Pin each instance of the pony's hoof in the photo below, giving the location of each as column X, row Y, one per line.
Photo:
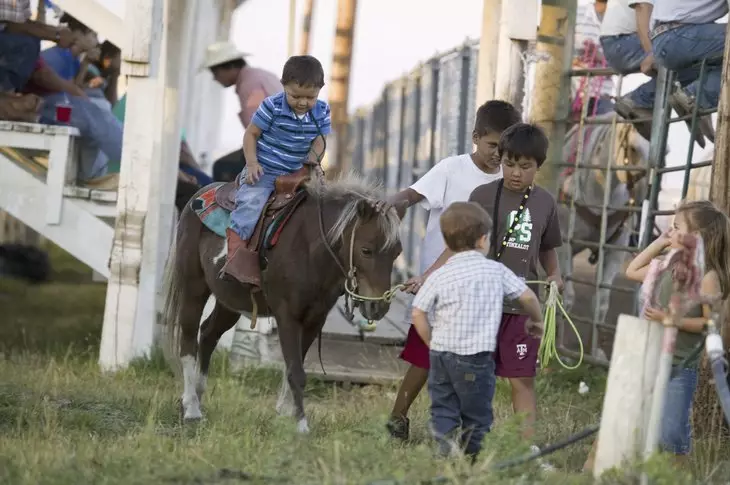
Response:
column 193, row 419
column 303, row 426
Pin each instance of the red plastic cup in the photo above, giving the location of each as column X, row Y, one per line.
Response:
column 63, row 113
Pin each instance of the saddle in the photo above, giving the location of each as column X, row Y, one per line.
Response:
column 288, row 194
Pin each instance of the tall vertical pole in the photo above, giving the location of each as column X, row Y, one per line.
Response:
column 550, row 98
column 304, row 41
column 119, row 344
column 340, row 81
column 488, row 50
column 708, row 418
column 292, row 27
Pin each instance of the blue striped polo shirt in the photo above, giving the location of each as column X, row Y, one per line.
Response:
column 287, row 138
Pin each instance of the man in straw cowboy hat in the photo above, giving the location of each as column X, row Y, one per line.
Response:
column 253, row 85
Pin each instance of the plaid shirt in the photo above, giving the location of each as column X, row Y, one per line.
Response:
column 464, row 301
column 16, row 11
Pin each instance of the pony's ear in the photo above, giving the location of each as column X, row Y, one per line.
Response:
column 366, row 210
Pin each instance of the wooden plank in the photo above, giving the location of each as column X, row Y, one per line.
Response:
column 629, row 390
column 348, row 361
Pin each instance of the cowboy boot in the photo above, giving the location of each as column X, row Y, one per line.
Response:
column 241, row 263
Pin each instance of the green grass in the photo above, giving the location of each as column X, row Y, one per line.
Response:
column 63, row 422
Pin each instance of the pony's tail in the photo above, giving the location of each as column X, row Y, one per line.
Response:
column 170, row 331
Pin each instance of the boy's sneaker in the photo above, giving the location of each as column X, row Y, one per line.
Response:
column 684, row 104
column 398, row 427
column 628, row 110
column 544, row 466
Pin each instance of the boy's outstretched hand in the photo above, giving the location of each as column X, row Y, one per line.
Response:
column 534, row 328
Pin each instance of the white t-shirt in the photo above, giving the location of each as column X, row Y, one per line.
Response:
column 451, row 180
column 689, row 11
column 620, row 17
column 588, row 35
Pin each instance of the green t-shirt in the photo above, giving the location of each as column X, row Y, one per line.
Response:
column 118, row 111
column 686, row 341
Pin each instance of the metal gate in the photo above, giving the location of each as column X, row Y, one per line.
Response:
column 595, row 327
column 428, row 115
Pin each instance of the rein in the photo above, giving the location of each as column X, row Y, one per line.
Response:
column 352, row 298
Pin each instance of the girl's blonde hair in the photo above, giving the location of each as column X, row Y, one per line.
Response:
column 713, row 225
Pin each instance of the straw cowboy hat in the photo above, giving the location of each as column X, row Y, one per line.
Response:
column 220, row 53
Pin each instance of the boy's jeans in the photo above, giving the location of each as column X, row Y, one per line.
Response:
column 624, row 54
column 689, row 44
column 18, row 56
column 250, row 201
column 676, row 432
column 461, row 388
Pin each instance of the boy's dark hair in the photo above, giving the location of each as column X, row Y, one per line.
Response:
column 304, row 71
column 494, row 117
column 463, row 224
column 524, row 140
column 109, row 50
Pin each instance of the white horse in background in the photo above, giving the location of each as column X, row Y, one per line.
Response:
column 586, row 188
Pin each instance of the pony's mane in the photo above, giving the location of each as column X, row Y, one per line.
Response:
column 350, row 188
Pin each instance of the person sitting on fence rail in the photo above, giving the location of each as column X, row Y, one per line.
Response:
column 587, row 54
column 457, row 314
column 526, row 233
column 684, row 34
column 451, row 180
column 20, row 41
column 229, row 68
column 627, row 46
column 713, row 226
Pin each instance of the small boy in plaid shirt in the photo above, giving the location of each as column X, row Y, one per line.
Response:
column 457, row 313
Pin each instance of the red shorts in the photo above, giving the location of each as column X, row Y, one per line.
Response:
column 516, row 354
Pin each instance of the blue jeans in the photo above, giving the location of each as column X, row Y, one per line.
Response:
column 461, row 388
column 676, row 433
column 100, row 130
column 683, row 46
column 250, row 201
column 18, row 55
column 624, row 54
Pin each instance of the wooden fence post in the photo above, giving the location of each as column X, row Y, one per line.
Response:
column 550, row 97
column 628, row 397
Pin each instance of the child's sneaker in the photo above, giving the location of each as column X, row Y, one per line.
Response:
column 398, row 427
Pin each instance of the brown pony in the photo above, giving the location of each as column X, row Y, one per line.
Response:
column 335, row 231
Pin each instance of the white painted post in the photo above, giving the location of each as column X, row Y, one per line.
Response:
column 141, row 51
column 629, row 392
column 517, row 27
column 172, row 82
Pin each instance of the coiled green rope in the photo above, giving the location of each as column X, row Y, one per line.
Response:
column 548, row 346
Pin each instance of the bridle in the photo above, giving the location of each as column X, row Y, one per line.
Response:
column 352, row 298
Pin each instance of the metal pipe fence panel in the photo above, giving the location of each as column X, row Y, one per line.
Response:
column 429, row 115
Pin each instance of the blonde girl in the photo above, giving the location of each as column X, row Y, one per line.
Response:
column 713, row 226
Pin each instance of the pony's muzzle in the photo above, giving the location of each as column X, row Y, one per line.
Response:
column 374, row 309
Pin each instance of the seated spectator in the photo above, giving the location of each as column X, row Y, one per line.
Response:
column 627, row 48
column 189, row 172
column 683, row 35
column 20, row 40
column 100, row 131
column 587, row 54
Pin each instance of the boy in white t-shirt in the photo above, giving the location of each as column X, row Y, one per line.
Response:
column 451, row 180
